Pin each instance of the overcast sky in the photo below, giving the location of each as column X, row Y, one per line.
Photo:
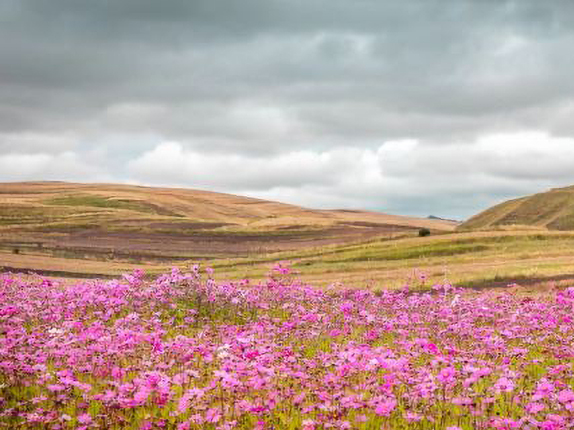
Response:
column 412, row 107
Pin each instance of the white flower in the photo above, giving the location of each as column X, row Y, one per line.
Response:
column 223, row 351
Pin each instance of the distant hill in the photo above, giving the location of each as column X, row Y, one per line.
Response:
column 434, row 217
column 553, row 209
column 135, row 224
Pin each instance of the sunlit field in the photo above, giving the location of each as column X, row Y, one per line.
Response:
column 184, row 352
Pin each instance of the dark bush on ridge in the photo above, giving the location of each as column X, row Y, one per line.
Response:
column 424, row 232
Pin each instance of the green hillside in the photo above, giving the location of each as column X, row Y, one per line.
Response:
column 553, row 210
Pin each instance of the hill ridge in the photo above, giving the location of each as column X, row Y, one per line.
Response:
column 552, row 209
column 217, row 199
column 135, row 223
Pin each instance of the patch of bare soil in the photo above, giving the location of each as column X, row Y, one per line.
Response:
column 202, row 242
column 57, row 273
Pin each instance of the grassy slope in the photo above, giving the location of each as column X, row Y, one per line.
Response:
column 79, row 228
column 69, row 204
column 464, row 258
column 553, row 209
column 467, row 259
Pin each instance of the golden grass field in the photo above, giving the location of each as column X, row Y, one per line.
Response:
column 76, row 230
column 532, row 259
column 103, row 229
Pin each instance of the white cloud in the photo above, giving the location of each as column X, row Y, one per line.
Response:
column 402, row 176
column 406, row 176
column 34, row 142
column 170, row 162
column 45, row 166
column 528, row 155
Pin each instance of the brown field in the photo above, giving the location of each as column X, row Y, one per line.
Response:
column 83, row 231
column 104, row 229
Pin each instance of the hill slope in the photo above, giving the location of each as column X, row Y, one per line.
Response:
column 553, row 209
column 146, row 225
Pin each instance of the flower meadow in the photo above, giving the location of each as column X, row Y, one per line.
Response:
column 185, row 352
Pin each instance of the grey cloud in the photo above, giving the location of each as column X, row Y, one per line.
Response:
column 256, row 80
column 44, row 166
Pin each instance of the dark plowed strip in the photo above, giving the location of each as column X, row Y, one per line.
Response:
column 521, row 281
column 56, row 273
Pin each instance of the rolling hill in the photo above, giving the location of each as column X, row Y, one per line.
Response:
column 553, row 210
column 70, row 228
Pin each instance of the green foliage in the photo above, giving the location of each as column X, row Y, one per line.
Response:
column 407, row 253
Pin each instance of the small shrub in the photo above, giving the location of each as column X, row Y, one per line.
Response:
column 16, row 251
column 424, row 232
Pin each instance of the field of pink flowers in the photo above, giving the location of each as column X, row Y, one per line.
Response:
column 184, row 352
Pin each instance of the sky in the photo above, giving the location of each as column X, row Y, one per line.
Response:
column 413, row 107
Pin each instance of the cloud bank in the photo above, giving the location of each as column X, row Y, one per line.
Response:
column 417, row 107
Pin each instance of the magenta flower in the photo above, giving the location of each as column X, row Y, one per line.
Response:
column 386, row 407
column 184, row 351
column 212, row 415
column 504, row 385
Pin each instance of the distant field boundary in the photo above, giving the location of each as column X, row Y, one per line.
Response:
column 522, row 281
column 56, row 273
